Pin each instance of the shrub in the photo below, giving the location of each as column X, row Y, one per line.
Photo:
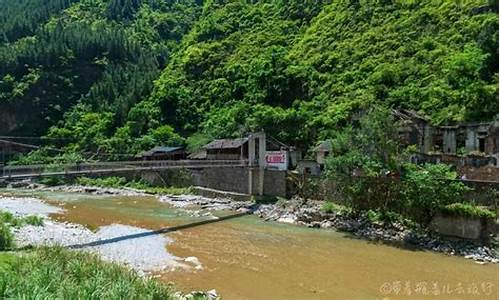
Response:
column 6, row 237
column 388, row 217
column 53, row 180
column 281, row 202
column 373, row 216
column 6, row 217
column 427, row 188
column 327, row 207
column 120, row 182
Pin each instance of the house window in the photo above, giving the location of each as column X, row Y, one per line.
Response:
column 482, row 144
column 461, row 143
column 438, row 145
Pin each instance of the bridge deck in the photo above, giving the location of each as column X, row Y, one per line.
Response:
column 32, row 171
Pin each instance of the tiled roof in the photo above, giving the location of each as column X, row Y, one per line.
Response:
column 160, row 149
column 226, row 143
column 198, row 155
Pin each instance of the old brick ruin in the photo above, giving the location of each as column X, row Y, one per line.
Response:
column 471, row 147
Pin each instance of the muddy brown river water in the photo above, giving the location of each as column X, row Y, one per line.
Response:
column 248, row 258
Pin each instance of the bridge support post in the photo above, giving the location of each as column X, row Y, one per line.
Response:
column 256, row 159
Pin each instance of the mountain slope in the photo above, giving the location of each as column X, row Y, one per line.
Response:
column 145, row 72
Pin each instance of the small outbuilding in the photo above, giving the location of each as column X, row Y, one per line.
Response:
column 163, row 153
column 308, row 166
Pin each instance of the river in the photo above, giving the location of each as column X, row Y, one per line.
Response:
column 248, row 258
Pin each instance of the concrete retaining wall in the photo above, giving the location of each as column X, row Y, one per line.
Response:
column 468, row 228
column 464, row 227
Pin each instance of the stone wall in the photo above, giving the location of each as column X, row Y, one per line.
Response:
column 485, row 173
column 482, row 193
column 231, row 179
column 178, row 178
column 226, row 178
column 275, row 183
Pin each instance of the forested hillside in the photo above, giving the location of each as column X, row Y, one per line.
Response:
column 119, row 76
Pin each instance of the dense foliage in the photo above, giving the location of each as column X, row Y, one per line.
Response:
column 371, row 171
column 119, row 76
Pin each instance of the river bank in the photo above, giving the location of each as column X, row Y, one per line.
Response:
column 116, row 243
column 310, row 214
column 361, row 226
column 145, row 255
column 250, row 249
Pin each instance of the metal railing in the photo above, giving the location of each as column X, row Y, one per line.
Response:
column 25, row 171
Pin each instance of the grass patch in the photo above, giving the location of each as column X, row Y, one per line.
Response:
column 468, row 210
column 13, row 221
column 7, row 221
column 6, row 261
column 112, row 181
column 169, row 190
column 33, row 220
column 56, row 273
column 6, row 217
column 330, row 207
column 121, row 182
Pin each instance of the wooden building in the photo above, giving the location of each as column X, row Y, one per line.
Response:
column 227, row 149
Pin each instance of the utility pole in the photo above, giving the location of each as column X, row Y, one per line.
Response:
column 3, row 160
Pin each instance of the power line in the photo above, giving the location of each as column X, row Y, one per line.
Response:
column 91, row 154
column 35, row 138
column 29, row 146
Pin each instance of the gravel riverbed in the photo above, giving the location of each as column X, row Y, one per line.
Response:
column 131, row 246
column 138, row 248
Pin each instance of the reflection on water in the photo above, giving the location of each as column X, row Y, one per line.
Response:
column 247, row 258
